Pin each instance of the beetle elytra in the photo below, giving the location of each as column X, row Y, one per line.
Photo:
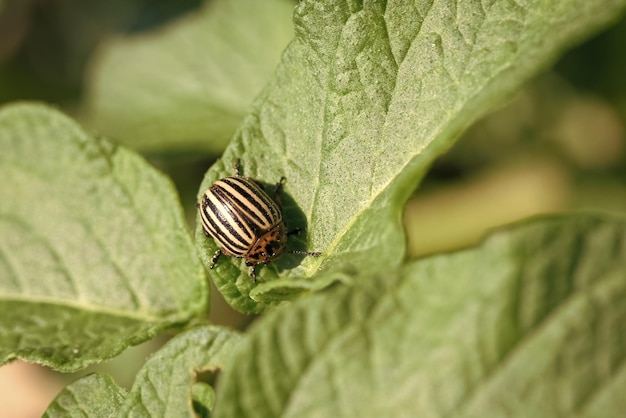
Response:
column 245, row 221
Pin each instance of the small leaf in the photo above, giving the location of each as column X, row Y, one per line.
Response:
column 93, row 396
column 530, row 324
column 165, row 384
column 365, row 98
column 95, row 254
column 187, row 87
column 203, row 397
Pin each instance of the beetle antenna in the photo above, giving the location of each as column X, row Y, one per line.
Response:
column 311, row 253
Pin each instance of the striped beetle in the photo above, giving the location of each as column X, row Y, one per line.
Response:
column 245, row 221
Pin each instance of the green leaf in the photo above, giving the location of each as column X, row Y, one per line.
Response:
column 93, row 396
column 203, row 397
column 95, row 254
column 165, row 384
column 365, row 98
column 187, row 86
column 530, row 324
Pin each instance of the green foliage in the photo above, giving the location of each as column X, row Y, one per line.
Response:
column 92, row 396
column 95, row 254
column 500, row 330
column 363, row 101
column 163, row 386
column 205, row 70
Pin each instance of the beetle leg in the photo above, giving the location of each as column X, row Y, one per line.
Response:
column 215, row 257
column 252, row 272
column 294, row 232
column 313, row 253
column 277, row 190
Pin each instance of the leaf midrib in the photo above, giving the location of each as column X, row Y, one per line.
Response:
column 138, row 315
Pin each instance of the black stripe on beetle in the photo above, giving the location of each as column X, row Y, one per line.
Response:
column 223, row 225
column 245, row 221
column 252, row 202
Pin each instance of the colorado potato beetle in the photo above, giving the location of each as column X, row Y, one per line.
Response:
column 245, row 221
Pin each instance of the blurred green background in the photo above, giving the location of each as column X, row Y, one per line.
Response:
column 557, row 146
